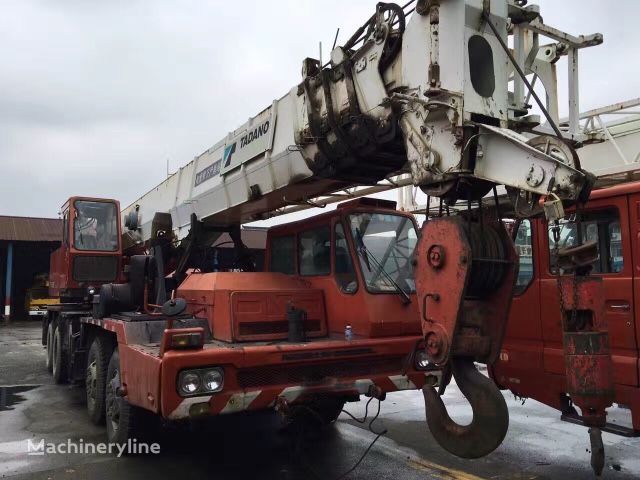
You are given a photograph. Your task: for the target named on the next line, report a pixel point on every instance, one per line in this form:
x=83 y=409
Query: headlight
x=212 y=380
x=190 y=383
x=200 y=381
x=422 y=362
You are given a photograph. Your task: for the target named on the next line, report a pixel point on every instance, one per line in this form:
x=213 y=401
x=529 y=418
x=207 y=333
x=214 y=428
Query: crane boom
x=425 y=95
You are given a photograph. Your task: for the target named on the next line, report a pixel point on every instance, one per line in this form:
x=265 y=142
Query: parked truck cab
x=358 y=255
x=531 y=362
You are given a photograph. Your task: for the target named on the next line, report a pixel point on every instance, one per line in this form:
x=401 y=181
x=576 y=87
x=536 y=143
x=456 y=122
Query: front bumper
x=257 y=376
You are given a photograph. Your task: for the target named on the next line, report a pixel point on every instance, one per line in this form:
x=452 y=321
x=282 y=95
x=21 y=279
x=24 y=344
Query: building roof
x=254 y=238
x=28 y=229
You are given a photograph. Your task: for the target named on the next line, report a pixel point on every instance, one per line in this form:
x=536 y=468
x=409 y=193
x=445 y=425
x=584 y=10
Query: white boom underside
x=424 y=95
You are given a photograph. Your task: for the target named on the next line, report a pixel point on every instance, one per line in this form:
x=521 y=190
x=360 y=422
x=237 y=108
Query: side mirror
x=131 y=220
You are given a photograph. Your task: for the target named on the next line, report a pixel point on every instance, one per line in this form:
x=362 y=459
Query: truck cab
x=90 y=252
x=531 y=362
x=358 y=255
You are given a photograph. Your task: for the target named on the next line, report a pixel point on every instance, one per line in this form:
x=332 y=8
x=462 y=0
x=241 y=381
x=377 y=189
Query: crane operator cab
x=95 y=226
x=358 y=255
x=90 y=252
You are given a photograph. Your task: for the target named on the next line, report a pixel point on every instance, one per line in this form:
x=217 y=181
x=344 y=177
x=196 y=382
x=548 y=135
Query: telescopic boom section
x=425 y=95
x=428 y=96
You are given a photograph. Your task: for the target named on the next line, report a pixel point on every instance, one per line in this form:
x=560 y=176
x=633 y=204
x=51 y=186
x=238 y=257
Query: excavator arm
x=421 y=94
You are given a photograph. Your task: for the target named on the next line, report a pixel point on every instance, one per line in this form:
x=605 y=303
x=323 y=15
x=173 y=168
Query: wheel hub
x=91 y=381
x=113 y=401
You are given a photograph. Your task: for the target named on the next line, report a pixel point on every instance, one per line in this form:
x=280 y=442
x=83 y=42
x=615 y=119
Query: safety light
x=186 y=340
x=421 y=360
x=199 y=409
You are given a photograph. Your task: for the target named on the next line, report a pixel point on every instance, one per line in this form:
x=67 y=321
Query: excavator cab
x=90 y=252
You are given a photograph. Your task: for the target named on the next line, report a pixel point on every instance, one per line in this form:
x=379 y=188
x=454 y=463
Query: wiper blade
x=362 y=249
x=405 y=296
x=366 y=255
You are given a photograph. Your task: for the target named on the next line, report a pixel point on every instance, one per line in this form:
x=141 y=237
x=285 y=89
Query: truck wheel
x=123 y=419
x=313 y=416
x=45 y=328
x=49 y=344
x=59 y=355
x=95 y=378
x=326 y=410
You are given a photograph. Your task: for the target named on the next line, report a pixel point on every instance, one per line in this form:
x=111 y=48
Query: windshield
x=389 y=241
x=95 y=226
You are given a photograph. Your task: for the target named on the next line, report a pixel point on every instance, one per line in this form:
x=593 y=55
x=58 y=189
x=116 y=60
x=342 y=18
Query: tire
x=49 y=345
x=59 y=355
x=95 y=378
x=326 y=409
x=124 y=421
x=44 y=330
x=314 y=416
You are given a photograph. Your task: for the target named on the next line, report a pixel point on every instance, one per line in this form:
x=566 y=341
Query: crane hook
x=490 y=414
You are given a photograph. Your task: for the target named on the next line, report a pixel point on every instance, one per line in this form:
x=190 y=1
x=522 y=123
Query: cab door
x=634 y=221
x=606 y=221
x=522 y=346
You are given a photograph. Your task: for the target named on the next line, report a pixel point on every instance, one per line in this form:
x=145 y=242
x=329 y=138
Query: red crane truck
x=352 y=302
x=227 y=350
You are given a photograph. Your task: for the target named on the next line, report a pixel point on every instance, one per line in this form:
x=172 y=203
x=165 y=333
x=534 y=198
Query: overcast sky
x=95 y=96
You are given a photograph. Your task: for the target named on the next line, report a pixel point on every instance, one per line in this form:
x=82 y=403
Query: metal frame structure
x=610 y=148
x=540 y=60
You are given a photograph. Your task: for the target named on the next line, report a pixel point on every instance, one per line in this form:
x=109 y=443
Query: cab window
x=343 y=266
x=95 y=226
x=314 y=251
x=283 y=255
x=385 y=244
x=524 y=249
x=65 y=228
x=601 y=226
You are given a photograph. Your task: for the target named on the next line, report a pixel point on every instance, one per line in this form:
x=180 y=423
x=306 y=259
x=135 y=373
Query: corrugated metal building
x=25 y=246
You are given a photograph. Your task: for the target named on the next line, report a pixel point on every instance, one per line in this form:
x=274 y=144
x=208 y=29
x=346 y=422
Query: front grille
x=276 y=327
x=318 y=374
x=95 y=268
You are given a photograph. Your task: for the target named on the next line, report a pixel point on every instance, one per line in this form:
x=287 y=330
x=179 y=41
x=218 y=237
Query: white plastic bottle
x=348 y=332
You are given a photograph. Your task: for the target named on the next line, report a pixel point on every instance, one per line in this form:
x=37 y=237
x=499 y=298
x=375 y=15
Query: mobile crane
x=354 y=301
